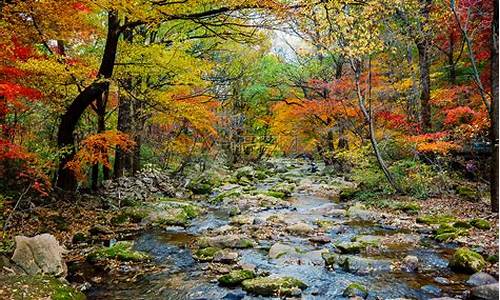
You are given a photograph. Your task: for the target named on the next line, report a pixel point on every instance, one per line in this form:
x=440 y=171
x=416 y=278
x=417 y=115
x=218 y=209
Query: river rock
x=360 y=212
x=350 y=247
x=431 y=289
x=410 y=264
x=40 y=254
x=242 y=220
x=226 y=257
x=355 y=290
x=481 y=278
x=235 y=277
x=279 y=249
x=300 y=228
x=485 y=292
x=227 y=241
x=320 y=239
x=362 y=266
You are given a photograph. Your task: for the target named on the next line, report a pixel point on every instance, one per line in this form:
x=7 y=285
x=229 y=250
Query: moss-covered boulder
x=120 y=251
x=136 y=214
x=480 y=224
x=286 y=189
x=37 y=287
x=435 y=219
x=355 y=290
x=275 y=194
x=348 y=193
x=466 y=260
x=272 y=286
x=206 y=254
x=235 y=277
x=409 y=207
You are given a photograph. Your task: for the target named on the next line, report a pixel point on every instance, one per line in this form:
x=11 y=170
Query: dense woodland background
x=399 y=95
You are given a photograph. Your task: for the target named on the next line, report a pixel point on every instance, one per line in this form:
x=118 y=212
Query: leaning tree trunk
x=356 y=66
x=65 y=139
x=494 y=111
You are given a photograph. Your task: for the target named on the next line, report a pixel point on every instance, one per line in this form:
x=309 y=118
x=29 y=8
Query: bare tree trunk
x=423 y=46
x=356 y=66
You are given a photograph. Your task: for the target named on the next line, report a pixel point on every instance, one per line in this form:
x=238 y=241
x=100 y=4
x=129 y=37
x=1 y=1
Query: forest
x=272 y=149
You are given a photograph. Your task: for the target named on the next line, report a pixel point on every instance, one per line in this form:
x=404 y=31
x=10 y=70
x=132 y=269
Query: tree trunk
x=451 y=62
x=66 y=179
x=423 y=45
x=494 y=111
x=356 y=66
x=139 y=121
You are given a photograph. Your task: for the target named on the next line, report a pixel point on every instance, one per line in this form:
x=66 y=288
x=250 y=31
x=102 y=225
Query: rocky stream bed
x=290 y=233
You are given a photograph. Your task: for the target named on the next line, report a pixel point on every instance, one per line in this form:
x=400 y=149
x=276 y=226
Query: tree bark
x=423 y=46
x=494 y=111
x=65 y=139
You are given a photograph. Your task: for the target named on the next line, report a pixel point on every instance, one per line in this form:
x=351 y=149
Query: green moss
x=325 y=224
x=191 y=211
x=410 y=208
x=79 y=237
x=120 y=251
x=206 y=254
x=220 y=197
x=435 y=219
x=492 y=258
x=119 y=219
x=235 y=277
x=480 y=224
x=37 y=287
x=466 y=260
x=462 y=224
x=467 y=192
x=348 y=193
x=350 y=247
x=275 y=194
x=355 y=290
x=267 y=286
x=446 y=232
x=246 y=243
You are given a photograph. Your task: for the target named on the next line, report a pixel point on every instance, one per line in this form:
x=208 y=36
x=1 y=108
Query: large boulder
x=227 y=241
x=485 y=292
x=40 y=254
x=279 y=249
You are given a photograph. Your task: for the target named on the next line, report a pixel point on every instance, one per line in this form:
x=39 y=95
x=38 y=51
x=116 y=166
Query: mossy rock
x=269 y=286
x=236 y=277
x=355 y=290
x=223 y=195
x=120 y=251
x=348 y=193
x=447 y=232
x=206 y=254
x=436 y=219
x=466 y=260
x=283 y=188
x=36 y=287
x=350 y=247
x=135 y=214
x=275 y=194
x=480 y=224
x=200 y=188
x=261 y=175
x=330 y=259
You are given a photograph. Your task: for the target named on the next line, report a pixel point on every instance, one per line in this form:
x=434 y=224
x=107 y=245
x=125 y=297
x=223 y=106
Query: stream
x=177 y=275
